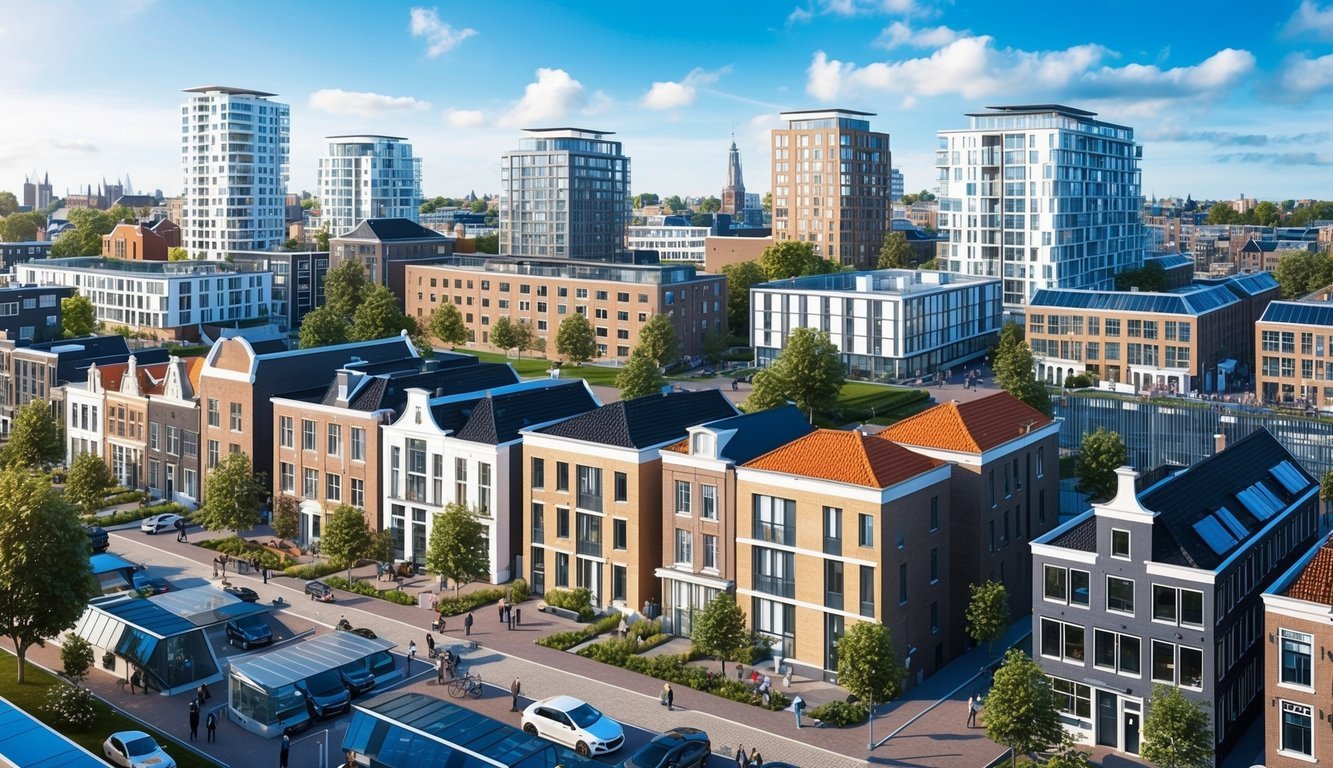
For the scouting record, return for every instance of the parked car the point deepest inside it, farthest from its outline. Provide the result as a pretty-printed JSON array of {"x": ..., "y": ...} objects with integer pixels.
[
  {"x": 97, "y": 536},
  {"x": 159, "y": 523},
  {"x": 574, "y": 723},
  {"x": 677, "y": 748},
  {"x": 244, "y": 593},
  {"x": 320, "y": 591},
  {"x": 135, "y": 749},
  {"x": 155, "y": 585},
  {"x": 357, "y": 678},
  {"x": 325, "y": 694},
  {"x": 249, "y": 631}
]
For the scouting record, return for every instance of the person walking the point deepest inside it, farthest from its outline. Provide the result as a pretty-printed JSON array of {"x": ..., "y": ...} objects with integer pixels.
[
  {"x": 194, "y": 720},
  {"x": 623, "y": 629},
  {"x": 668, "y": 697},
  {"x": 973, "y": 704},
  {"x": 411, "y": 652},
  {"x": 211, "y": 725},
  {"x": 798, "y": 706},
  {"x": 136, "y": 681},
  {"x": 515, "y": 688},
  {"x": 263, "y": 570},
  {"x": 467, "y": 624},
  {"x": 742, "y": 759},
  {"x": 430, "y": 646},
  {"x": 439, "y": 668},
  {"x": 502, "y": 610},
  {"x": 756, "y": 759},
  {"x": 286, "y": 747}
]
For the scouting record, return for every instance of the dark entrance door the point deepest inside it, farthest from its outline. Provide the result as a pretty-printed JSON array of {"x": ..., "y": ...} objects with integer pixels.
[
  {"x": 1132, "y": 732},
  {"x": 1107, "y": 720}
]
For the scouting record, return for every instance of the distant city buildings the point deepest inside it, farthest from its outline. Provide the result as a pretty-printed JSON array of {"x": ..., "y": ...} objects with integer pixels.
[
  {"x": 672, "y": 243},
  {"x": 1041, "y": 196},
  {"x": 141, "y": 242},
  {"x": 895, "y": 185},
  {"x": 383, "y": 247},
  {"x": 367, "y": 177},
  {"x": 234, "y": 153},
  {"x": 37, "y": 195}
]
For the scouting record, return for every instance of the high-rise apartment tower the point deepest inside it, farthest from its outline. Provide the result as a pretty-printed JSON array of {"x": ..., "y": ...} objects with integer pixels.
[{"x": 368, "y": 177}]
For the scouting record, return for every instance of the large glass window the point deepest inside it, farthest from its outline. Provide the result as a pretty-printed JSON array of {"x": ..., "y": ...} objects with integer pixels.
[
  {"x": 682, "y": 497},
  {"x": 538, "y": 472},
  {"x": 1297, "y": 648},
  {"x": 358, "y": 444},
  {"x": 1119, "y": 594},
  {"x": 307, "y": 435},
  {"x": 1163, "y": 662},
  {"x": 708, "y": 502},
  {"x": 1072, "y": 698},
  {"x": 1061, "y": 640},
  {"x": 1297, "y": 728},
  {"x": 286, "y": 432},
  {"x": 1116, "y": 652},
  {"x": 774, "y": 520},
  {"x": 335, "y": 439},
  {"x": 1056, "y": 583}
]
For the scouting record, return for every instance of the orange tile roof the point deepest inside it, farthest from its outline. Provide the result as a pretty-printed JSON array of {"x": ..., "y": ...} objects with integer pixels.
[
  {"x": 681, "y": 447},
  {"x": 971, "y": 427},
  {"x": 111, "y": 376},
  {"x": 193, "y": 365},
  {"x": 1316, "y": 582},
  {"x": 845, "y": 457}
]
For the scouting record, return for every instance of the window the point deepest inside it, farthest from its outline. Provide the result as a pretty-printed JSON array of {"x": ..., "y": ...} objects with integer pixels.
[
  {"x": 1072, "y": 698},
  {"x": 1297, "y": 648},
  {"x": 562, "y": 522},
  {"x": 288, "y": 474},
  {"x": 867, "y": 579},
  {"x": 212, "y": 453},
  {"x": 1177, "y": 664},
  {"x": 562, "y": 567},
  {"x": 460, "y": 480},
  {"x": 1177, "y": 606},
  {"x": 774, "y": 520},
  {"x": 561, "y": 476},
  {"x": 865, "y": 526},
  {"x": 833, "y": 584},
  {"x": 708, "y": 502},
  {"x": 1041, "y": 462},
  {"x": 333, "y": 487},
  {"x": 682, "y": 497},
  {"x": 710, "y": 552},
  {"x": 934, "y": 513},
  {"x": 307, "y": 435},
  {"x": 934, "y": 564},
  {"x": 358, "y": 493},
  {"x": 335, "y": 439},
  {"x": 1119, "y": 543},
  {"x": 235, "y": 417},
  {"x": 214, "y": 413},
  {"x": 620, "y": 534},
  {"x": 619, "y": 582},
  {"x": 1297, "y": 728},
  {"x": 1116, "y": 652},
  {"x": 538, "y": 472},
  {"x": 1056, "y": 583},
  {"x": 1062, "y": 641},
  {"x": 310, "y": 484},
  {"x": 684, "y": 547},
  {"x": 153, "y": 430},
  {"x": 1119, "y": 594},
  {"x": 590, "y": 488},
  {"x": 358, "y": 444},
  {"x": 484, "y": 488},
  {"x": 286, "y": 436}
]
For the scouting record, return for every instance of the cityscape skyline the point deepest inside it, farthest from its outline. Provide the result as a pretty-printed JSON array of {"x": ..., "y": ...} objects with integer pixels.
[{"x": 1221, "y": 108}]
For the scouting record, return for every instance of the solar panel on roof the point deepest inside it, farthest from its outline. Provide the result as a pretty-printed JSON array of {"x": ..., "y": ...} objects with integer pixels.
[
  {"x": 1217, "y": 538},
  {"x": 1256, "y": 503},
  {"x": 1268, "y": 496},
  {"x": 1232, "y": 524},
  {"x": 1289, "y": 477}
]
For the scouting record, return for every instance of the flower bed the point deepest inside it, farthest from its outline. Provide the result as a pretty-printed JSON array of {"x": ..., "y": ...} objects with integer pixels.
[{"x": 456, "y": 606}]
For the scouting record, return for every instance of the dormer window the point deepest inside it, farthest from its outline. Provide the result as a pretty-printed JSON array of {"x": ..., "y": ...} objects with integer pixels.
[{"x": 702, "y": 445}]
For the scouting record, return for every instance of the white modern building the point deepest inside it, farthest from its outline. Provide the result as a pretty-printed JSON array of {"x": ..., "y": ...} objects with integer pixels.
[
  {"x": 564, "y": 194},
  {"x": 1041, "y": 196},
  {"x": 671, "y": 243},
  {"x": 234, "y": 155},
  {"x": 168, "y": 299},
  {"x": 83, "y": 423},
  {"x": 889, "y": 324},
  {"x": 367, "y": 177}
]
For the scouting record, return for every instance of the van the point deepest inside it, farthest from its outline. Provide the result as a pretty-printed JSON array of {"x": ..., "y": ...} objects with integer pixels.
[{"x": 325, "y": 694}]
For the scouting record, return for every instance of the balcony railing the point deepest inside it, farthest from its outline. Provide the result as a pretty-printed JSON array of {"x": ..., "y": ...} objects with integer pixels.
[
  {"x": 774, "y": 585},
  {"x": 538, "y": 534},
  {"x": 775, "y": 533},
  {"x": 590, "y": 502},
  {"x": 833, "y": 600},
  {"x": 589, "y": 548}
]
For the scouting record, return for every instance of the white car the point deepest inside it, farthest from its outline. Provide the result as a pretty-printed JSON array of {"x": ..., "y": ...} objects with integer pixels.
[
  {"x": 574, "y": 723},
  {"x": 159, "y": 523},
  {"x": 135, "y": 749}
]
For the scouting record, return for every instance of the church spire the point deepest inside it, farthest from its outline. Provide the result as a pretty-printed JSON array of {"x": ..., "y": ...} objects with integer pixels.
[{"x": 733, "y": 195}]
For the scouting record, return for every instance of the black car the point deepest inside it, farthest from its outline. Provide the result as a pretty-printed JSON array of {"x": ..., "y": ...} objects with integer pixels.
[
  {"x": 325, "y": 694},
  {"x": 249, "y": 631},
  {"x": 356, "y": 677},
  {"x": 320, "y": 591},
  {"x": 244, "y": 593},
  {"x": 98, "y": 538},
  {"x": 677, "y": 748}
]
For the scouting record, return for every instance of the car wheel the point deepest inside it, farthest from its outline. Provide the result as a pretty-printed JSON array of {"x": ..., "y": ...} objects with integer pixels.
[
  {"x": 582, "y": 749},
  {"x": 530, "y": 729}
]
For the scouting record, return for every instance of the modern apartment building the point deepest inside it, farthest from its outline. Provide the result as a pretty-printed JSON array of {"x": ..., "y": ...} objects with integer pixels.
[
  {"x": 1005, "y": 490},
  {"x": 32, "y": 312},
  {"x": 831, "y": 184},
  {"x": 385, "y": 247},
  {"x": 592, "y": 498},
  {"x": 837, "y": 527},
  {"x": 475, "y": 451},
  {"x": 1042, "y": 196},
  {"x": 298, "y": 281},
  {"x": 1297, "y": 680},
  {"x": 564, "y": 194},
  {"x": 1294, "y": 340},
  {"x": 1163, "y": 585},
  {"x": 672, "y": 243},
  {"x": 367, "y": 177},
  {"x": 234, "y": 156},
  {"x": 889, "y": 324},
  {"x": 700, "y": 519},
  {"x": 15, "y": 253},
  {"x": 618, "y": 299},
  {"x": 166, "y": 299}
]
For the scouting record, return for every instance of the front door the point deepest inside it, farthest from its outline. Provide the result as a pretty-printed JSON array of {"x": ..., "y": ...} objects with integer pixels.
[
  {"x": 171, "y": 483},
  {"x": 1107, "y": 719},
  {"x": 1131, "y": 727}
]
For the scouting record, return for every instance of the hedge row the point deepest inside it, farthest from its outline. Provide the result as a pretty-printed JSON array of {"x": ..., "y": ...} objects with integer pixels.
[
  {"x": 363, "y": 587},
  {"x": 248, "y": 550},
  {"x": 674, "y": 669},
  {"x": 456, "y": 606}
]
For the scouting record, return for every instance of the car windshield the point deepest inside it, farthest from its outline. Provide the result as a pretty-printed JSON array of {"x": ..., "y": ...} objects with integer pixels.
[
  {"x": 251, "y": 622},
  {"x": 141, "y": 746},
  {"x": 325, "y": 683},
  {"x": 584, "y": 715},
  {"x": 651, "y": 755}
]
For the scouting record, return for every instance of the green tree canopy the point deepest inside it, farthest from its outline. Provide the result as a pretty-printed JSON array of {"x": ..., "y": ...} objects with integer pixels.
[
  {"x": 345, "y": 287},
  {"x": 645, "y": 198},
  {"x": 178, "y": 254},
  {"x": 524, "y": 338},
  {"x": 1100, "y": 454},
  {"x": 488, "y": 244},
  {"x": 321, "y": 327},
  {"x": 478, "y": 206},
  {"x": 740, "y": 277},
  {"x": 231, "y": 496},
  {"x": 1223, "y": 213},
  {"x": 1177, "y": 732},
  {"x": 88, "y": 226},
  {"x": 793, "y": 258},
  {"x": 639, "y": 377},
  {"x": 808, "y": 371},
  {"x": 719, "y": 630},
  {"x": 286, "y": 517},
  {"x": 1015, "y": 369},
  {"x": 378, "y": 316},
  {"x": 88, "y": 483},
  {"x": 78, "y": 316},
  {"x": 21, "y": 227},
  {"x": 710, "y": 205},
  {"x": 457, "y": 547},
  {"x": 347, "y": 537},
  {"x": 504, "y": 334},
  {"x": 1300, "y": 272},
  {"x": 868, "y": 665},
  {"x": 987, "y": 613},
  {"x": 766, "y": 203},
  {"x": 9, "y": 203},
  {"x": 76, "y": 657},
  {"x": 446, "y": 324},
  {"x": 896, "y": 253},
  {"x": 675, "y": 204},
  {"x": 1020, "y": 710},
  {"x": 45, "y": 581},
  {"x": 1149, "y": 277},
  {"x": 1326, "y": 487},
  {"x": 322, "y": 241},
  {"x": 574, "y": 340},
  {"x": 658, "y": 341},
  {"x": 1266, "y": 214},
  {"x": 35, "y": 440}
]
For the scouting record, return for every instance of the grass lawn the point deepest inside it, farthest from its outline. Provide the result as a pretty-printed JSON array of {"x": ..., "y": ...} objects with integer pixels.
[
  {"x": 878, "y": 403},
  {"x": 31, "y": 697},
  {"x": 536, "y": 368}
]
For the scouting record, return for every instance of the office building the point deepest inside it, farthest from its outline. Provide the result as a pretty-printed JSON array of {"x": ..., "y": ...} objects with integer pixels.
[
  {"x": 1294, "y": 342},
  {"x": 564, "y": 194},
  {"x": 1042, "y": 196},
  {"x": 831, "y": 184},
  {"x": 37, "y": 195},
  {"x": 672, "y": 243},
  {"x": 895, "y": 185},
  {"x": 234, "y": 155},
  {"x": 32, "y": 312},
  {"x": 367, "y": 177}
]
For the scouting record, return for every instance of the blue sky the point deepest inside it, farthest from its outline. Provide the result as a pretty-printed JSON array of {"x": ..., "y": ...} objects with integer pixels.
[{"x": 1227, "y": 98}]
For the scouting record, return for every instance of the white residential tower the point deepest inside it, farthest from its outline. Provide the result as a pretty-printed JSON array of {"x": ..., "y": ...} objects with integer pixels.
[{"x": 368, "y": 177}]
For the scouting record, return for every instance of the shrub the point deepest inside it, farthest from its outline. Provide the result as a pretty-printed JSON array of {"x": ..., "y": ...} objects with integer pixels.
[
  {"x": 312, "y": 570},
  {"x": 518, "y": 590},
  {"x": 578, "y": 600},
  {"x": 357, "y": 586},
  {"x": 603, "y": 625},
  {"x": 124, "y": 497},
  {"x": 76, "y": 656},
  {"x": 615, "y": 651},
  {"x": 130, "y": 515},
  {"x": 398, "y": 596},
  {"x": 455, "y": 606},
  {"x": 71, "y": 705},
  {"x": 756, "y": 653},
  {"x": 563, "y": 641},
  {"x": 840, "y": 714},
  {"x": 645, "y": 629},
  {"x": 247, "y": 550},
  {"x": 653, "y": 641}
]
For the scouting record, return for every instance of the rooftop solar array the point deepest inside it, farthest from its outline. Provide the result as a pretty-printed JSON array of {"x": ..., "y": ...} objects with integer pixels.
[
  {"x": 1289, "y": 477},
  {"x": 1191, "y": 300},
  {"x": 1215, "y": 535},
  {"x": 1299, "y": 313},
  {"x": 1230, "y": 522},
  {"x": 1259, "y": 501},
  {"x": 307, "y": 659}
]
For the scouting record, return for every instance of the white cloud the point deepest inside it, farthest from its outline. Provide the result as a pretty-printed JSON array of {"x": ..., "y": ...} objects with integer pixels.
[
  {"x": 670, "y": 95},
  {"x": 465, "y": 118},
  {"x": 336, "y": 101},
  {"x": 554, "y": 95},
  {"x": 600, "y": 103},
  {"x": 900, "y": 33},
  {"x": 847, "y": 8},
  {"x": 1310, "y": 19},
  {"x": 440, "y": 36},
  {"x": 1302, "y": 77}
]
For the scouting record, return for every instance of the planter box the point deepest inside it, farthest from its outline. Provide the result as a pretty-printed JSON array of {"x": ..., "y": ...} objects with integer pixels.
[{"x": 563, "y": 613}]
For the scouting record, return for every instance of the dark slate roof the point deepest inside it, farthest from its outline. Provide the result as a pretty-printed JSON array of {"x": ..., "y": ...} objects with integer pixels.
[
  {"x": 759, "y": 433},
  {"x": 497, "y": 418},
  {"x": 390, "y": 229},
  {"x": 269, "y": 346},
  {"x": 302, "y": 368},
  {"x": 1171, "y": 260},
  {"x": 390, "y": 390},
  {"x": 645, "y": 421},
  {"x": 93, "y": 346},
  {"x": 1082, "y": 537},
  {"x": 1195, "y": 493}
]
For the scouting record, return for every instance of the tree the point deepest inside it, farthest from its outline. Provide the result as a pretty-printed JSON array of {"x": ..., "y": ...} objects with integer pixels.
[
  {"x": 1222, "y": 213},
  {"x": 1266, "y": 214},
  {"x": 868, "y": 665},
  {"x": 988, "y": 613},
  {"x": 715, "y": 345},
  {"x": 321, "y": 327},
  {"x": 719, "y": 630},
  {"x": 457, "y": 547},
  {"x": 1015, "y": 369},
  {"x": 178, "y": 254},
  {"x": 766, "y": 203},
  {"x": 345, "y": 287},
  {"x": 88, "y": 483},
  {"x": 34, "y": 438},
  {"x": 675, "y": 204},
  {"x": 1149, "y": 277},
  {"x": 808, "y": 371},
  {"x": 479, "y": 206},
  {"x": 322, "y": 240},
  {"x": 658, "y": 341},
  {"x": 45, "y": 581},
  {"x": 286, "y": 517},
  {"x": 1176, "y": 731},
  {"x": 1020, "y": 711},
  {"x": 1098, "y": 457},
  {"x": 488, "y": 243},
  {"x": 378, "y": 316},
  {"x": 701, "y": 220},
  {"x": 347, "y": 537},
  {"x": 896, "y": 253},
  {"x": 78, "y": 316},
  {"x": 645, "y": 198},
  {"x": 9, "y": 203},
  {"x": 231, "y": 496},
  {"x": 21, "y": 227},
  {"x": 1069, "y": 755},
  {"x": 446, "y": 324},
  {"x": 524, "y": 338},
  {"x": 740, "y": 277},
  {"x": 1326, "y": 489},
  {"x": 76, "y": 656},
  {"x": 639, "y": 377},
  {"x": 791, "y": 258},
  {"x": 1301, "y": 272},
  {"x": 504, "y": 334},
  {"x": 574, "y": 340},
  {"x": 710, "y": 205},
  {"x": 84, "y": 238}
]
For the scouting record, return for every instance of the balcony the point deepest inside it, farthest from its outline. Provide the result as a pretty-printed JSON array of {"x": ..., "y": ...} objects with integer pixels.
[
  {"x": 589, "y": 501},
  {"x": 775, "y": 533},
  {"x": 589, "y": 548},
  {"x": 832, "y": 545},
  {"x": 774, "y": 585}
]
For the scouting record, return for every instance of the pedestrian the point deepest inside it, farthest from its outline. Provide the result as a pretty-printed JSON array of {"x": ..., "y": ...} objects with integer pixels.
[
  {"x": 742, "y": 759},
  {"x": 623, "y": 629},
  {"x": 798, "y": 706},
  {"x": 756, "y": 759},
  {"x": 215, "y": 560},
  {"x": 204, "y": 695},
  {"x": 668, "y": 697},
  {"x": 449, "y": 661},
  {"x": 439, "y": 668},
  {"x": 194, "y": 720},
  {"x": 286, "y": 746},
  {"x": 467, "y": 624},
  {"x": 515, "y": 688},
  {"x": 430, "y": 646},
  {"x": 411, "y": 652},
  {"x": 973, "y": 704},
  {"x": 264, "y": 571},
  {"x": 211, "y": 725}
]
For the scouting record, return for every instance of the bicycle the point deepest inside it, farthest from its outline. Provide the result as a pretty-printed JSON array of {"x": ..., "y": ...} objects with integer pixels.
[{"x": 468, "y": 685}]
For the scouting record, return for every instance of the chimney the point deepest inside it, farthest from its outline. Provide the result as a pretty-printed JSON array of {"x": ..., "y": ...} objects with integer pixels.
[{"x": 1219, "y": 443}]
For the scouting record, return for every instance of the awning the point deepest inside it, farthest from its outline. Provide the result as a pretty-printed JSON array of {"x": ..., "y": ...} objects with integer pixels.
[
  {"x": 285, "y": 666},
  {"x": 703, "y": 580},
  {"x": 205, "y": 606}
]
